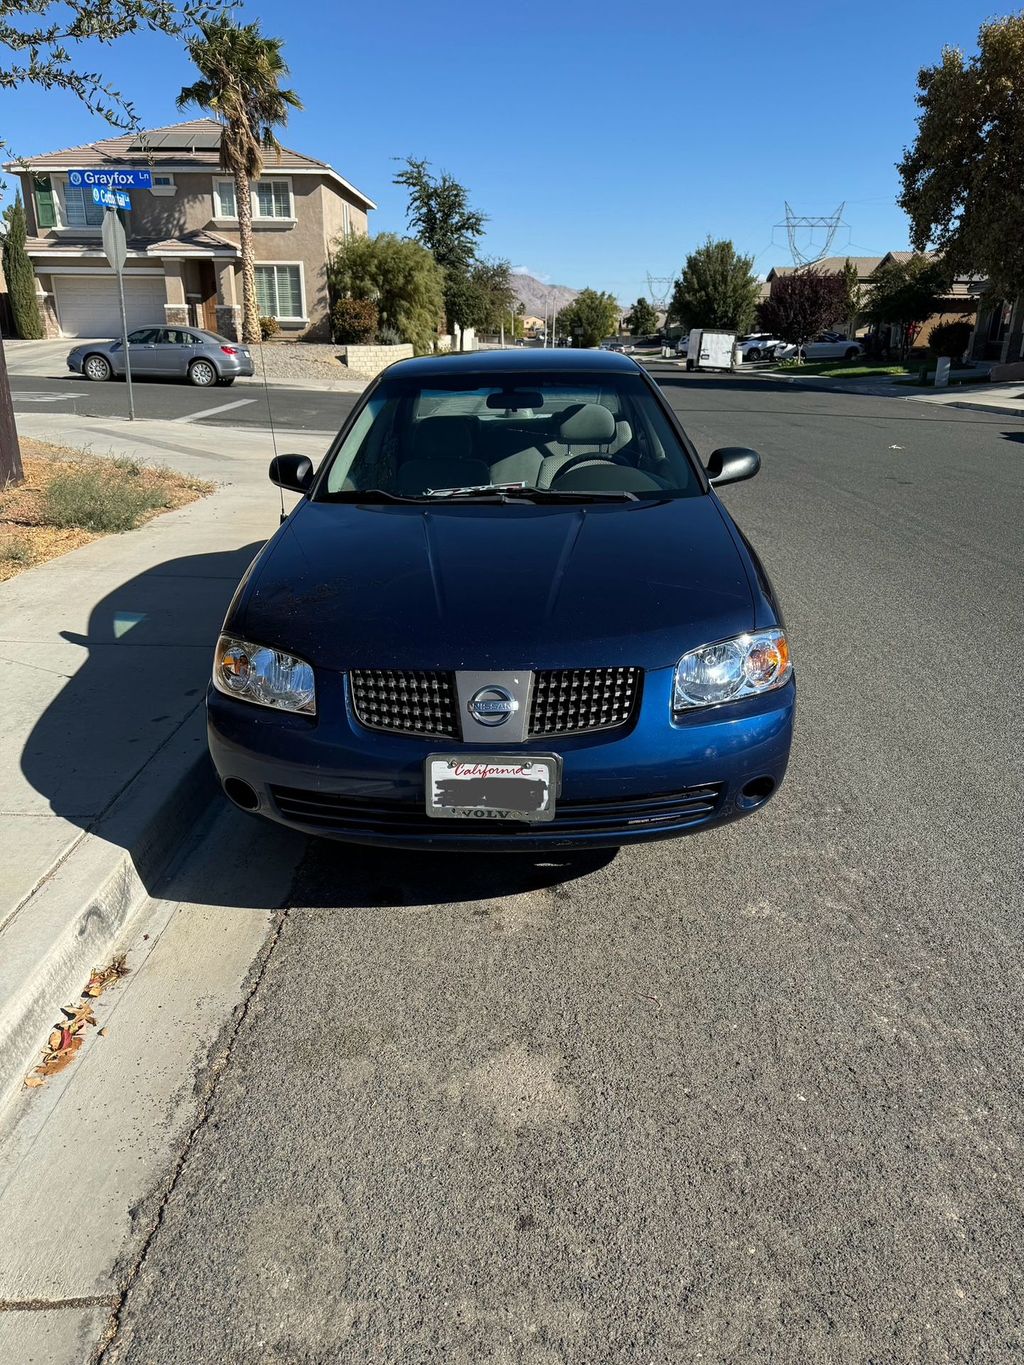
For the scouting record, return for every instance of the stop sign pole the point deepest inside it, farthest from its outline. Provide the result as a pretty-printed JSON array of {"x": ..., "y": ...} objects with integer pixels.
[{"x": 115, "y": 248}]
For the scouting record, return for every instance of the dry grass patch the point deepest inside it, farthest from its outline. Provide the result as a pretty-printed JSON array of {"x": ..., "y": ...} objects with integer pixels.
[{"x": 69, "y": 498}]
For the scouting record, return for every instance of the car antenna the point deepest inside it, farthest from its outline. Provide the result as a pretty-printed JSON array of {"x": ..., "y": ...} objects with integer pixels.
[{"x": 271, "y": 418}]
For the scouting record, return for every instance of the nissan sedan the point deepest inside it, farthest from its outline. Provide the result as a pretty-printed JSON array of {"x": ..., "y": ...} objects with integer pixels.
[
  {"x": 508, "y": 612},
  {"x": 203, "y": 358}
]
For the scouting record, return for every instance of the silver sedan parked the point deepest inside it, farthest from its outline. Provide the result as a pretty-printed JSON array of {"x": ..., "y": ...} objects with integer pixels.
[{"x": 203, "y": 358}]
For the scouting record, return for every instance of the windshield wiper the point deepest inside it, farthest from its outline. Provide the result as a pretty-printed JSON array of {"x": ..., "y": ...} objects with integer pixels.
[
  {"x": 506, "y": 492},
  {"x": 369, "y": 495}
]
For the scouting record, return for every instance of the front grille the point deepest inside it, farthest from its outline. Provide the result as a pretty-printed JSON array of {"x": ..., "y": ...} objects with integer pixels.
[
  {"x": 570, "y": 700},
  {"x": 566, "y": 701},
  {"x": 405, "y": 701},
  {"x": 355, "y": 815}
]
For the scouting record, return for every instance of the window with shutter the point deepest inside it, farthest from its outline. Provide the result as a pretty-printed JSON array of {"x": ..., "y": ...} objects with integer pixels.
[
  {"x": 279, "y": 292},
  {"x": 273, "y": 199}
]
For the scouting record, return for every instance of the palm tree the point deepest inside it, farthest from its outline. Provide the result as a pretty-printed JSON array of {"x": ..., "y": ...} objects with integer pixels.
[{"x": 241, "y": 71}]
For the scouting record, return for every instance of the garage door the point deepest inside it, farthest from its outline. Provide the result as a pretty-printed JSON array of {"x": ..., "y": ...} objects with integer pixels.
[{"x": 87, "y": 305}]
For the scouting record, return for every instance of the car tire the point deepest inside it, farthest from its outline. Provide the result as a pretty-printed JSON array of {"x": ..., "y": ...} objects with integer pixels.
[
  {"x": 852, "y": 353},
  {"x": 755, "y": 354},
  {"x": 227, "y": 381},
  {"x": 97, "y": 368},
  {"x": 202, "y": 374}
]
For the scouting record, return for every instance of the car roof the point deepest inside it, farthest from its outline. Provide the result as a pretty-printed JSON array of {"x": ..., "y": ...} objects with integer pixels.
[{"x": 520, "y": 360}]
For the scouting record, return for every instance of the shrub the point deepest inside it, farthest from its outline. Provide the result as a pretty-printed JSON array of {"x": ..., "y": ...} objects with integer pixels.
[
  {"x": 950, "y": 339},
  {"x": 389, "y": 336},
  {"x": 269, "y": 327},
  {"x": 354, "y": 321},
  {"x": 21, "y": 280},
  {"x": 100, "y": 497}
]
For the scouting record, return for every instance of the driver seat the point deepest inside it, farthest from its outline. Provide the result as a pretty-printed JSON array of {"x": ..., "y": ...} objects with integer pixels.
[{"x": 584, "y": 429}]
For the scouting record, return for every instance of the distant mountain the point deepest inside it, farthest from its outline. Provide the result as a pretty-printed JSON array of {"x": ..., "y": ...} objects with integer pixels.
[{"x": 537, "y": 298}]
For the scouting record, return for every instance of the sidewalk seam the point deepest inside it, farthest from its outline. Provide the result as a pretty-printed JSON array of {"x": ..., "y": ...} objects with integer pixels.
[{"x": 215, "y": 1070}]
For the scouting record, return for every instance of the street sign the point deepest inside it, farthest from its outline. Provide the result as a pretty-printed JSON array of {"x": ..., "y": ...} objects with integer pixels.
[
  {"x": 112, "y": 177},
  {"x": 111, "y": 199},
  {"x": 115, "y": 246}
]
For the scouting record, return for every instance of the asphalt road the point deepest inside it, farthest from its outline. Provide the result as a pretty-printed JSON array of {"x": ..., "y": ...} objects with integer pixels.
[
  {"x": 244, "y": 404},
  {"x": 752, "y": 1096}
]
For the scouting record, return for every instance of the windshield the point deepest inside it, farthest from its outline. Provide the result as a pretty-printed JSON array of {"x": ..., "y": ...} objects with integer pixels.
[{"x": 563, "y": 437}]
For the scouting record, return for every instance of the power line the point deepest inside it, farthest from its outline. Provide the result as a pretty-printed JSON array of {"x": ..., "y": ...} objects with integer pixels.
[
  {"x": 659, "y": 287},
  {"x": 810, "y": 236}
]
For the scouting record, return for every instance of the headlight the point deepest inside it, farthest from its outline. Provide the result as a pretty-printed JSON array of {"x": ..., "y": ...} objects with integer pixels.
[
  {"x": 264, "y": 676},
  {"x": 741, "y": 667}
]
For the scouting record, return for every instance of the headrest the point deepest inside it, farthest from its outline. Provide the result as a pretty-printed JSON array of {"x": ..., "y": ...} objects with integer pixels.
[
  {"x": 588, "y": 423},
  {"x": 442, "y": 437}
]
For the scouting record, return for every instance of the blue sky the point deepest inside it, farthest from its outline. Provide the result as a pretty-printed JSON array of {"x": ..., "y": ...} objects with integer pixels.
[{"x": 603, "y": 140}]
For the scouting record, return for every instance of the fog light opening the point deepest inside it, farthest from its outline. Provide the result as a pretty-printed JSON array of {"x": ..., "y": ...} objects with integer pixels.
[
  {"x": 758, "y": 789},
  {"x": 241, "y": 793}
]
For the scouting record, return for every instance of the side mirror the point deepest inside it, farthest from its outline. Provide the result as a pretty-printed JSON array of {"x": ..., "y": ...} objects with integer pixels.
[
  {"x": 731, "y": 464},
  {"x": 294, "y": 472}
]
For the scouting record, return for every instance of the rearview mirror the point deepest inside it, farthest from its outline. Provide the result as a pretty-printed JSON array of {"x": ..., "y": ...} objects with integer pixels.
[
  {"x": 294, "y": 472},
  {"x": 515, "y": 400},
  {"x": 731, "y": 464}
]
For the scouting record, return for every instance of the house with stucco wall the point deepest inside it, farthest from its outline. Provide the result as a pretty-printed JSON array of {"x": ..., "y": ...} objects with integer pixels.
[{"x": 184, "y": 264}]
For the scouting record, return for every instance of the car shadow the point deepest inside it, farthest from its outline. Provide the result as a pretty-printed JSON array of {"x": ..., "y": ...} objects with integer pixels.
[
  {"x": 147, "y": 651},
  {"x": 1013, "y": 436},
  {"x": 145, "y": 661},
  {"x": 337, "y": 876}
]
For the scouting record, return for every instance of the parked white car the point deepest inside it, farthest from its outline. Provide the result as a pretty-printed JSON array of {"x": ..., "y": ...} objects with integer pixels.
[
  {"x": 758, "y": 346},
  {"x": 825, "y": 346}
]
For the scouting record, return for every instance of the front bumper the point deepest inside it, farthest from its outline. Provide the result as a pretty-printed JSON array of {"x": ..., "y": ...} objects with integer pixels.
[{"x": 653, "y": 779}]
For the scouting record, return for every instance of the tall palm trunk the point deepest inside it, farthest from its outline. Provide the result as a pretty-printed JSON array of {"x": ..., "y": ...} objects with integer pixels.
[{"x": 250, "y": 308}]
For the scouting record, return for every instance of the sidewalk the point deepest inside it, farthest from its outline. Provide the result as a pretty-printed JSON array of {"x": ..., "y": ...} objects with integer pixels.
[{"x": 106, "y": 656}]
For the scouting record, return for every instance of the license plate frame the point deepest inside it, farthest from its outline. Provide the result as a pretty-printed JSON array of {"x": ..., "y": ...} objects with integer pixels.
[{"x": 543, "y": 771}]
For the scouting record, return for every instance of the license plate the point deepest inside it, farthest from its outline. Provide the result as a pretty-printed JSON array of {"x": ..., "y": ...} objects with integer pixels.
[{"x": 502, "y": 787}]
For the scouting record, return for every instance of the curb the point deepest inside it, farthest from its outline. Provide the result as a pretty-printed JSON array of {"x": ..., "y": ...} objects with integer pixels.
[
  {"x": 73, "y": 919},
  {"x": 1017, "y": 412}
]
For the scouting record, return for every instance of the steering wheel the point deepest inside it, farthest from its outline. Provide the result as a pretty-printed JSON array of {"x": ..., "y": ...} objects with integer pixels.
[{"x": 590, "y": 457}]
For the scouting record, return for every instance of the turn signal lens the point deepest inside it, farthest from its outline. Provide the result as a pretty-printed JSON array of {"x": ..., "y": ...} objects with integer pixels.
[
  {"x": 742, "y": 667},
  {"x": 266, "y": 677}
]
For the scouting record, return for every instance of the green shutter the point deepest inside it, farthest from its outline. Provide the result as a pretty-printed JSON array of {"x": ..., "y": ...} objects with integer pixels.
[{"x": 46, "y": 212}]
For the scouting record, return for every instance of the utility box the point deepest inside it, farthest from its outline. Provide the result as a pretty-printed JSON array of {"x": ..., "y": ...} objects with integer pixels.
[{"x": 707, "y": 350}]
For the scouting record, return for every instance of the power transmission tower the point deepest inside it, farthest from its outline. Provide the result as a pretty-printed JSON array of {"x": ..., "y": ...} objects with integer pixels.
[
  {"x": 818, "y": 232},
  {"x": 659, "y": 287}
]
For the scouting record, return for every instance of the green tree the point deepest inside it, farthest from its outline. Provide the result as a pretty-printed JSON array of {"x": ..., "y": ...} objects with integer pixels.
[
  {"x": 903, "y": 293},
  {"x": 643, "y": 318},
  {"x": 400, "y": 276},
  {"x": 589, "y": 318},
  {"x": 717, "y": 289},
  {"x": 962, "y": 177},
  {"x": 240, "y": 82},
  {"x": 803, "y": 304},
  {"x": 20, "y": 277},
  {"x": 491, "y": 298},
  {"x": 440, "y": 215},
  {"x": 42, "y": 36}
]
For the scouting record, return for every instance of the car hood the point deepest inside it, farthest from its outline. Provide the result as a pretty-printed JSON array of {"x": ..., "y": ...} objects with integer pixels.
[{"x": 506, "y": 586}]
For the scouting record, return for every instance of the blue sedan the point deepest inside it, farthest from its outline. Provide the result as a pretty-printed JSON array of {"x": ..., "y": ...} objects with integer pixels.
[{"x": 509, "y": 612}]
